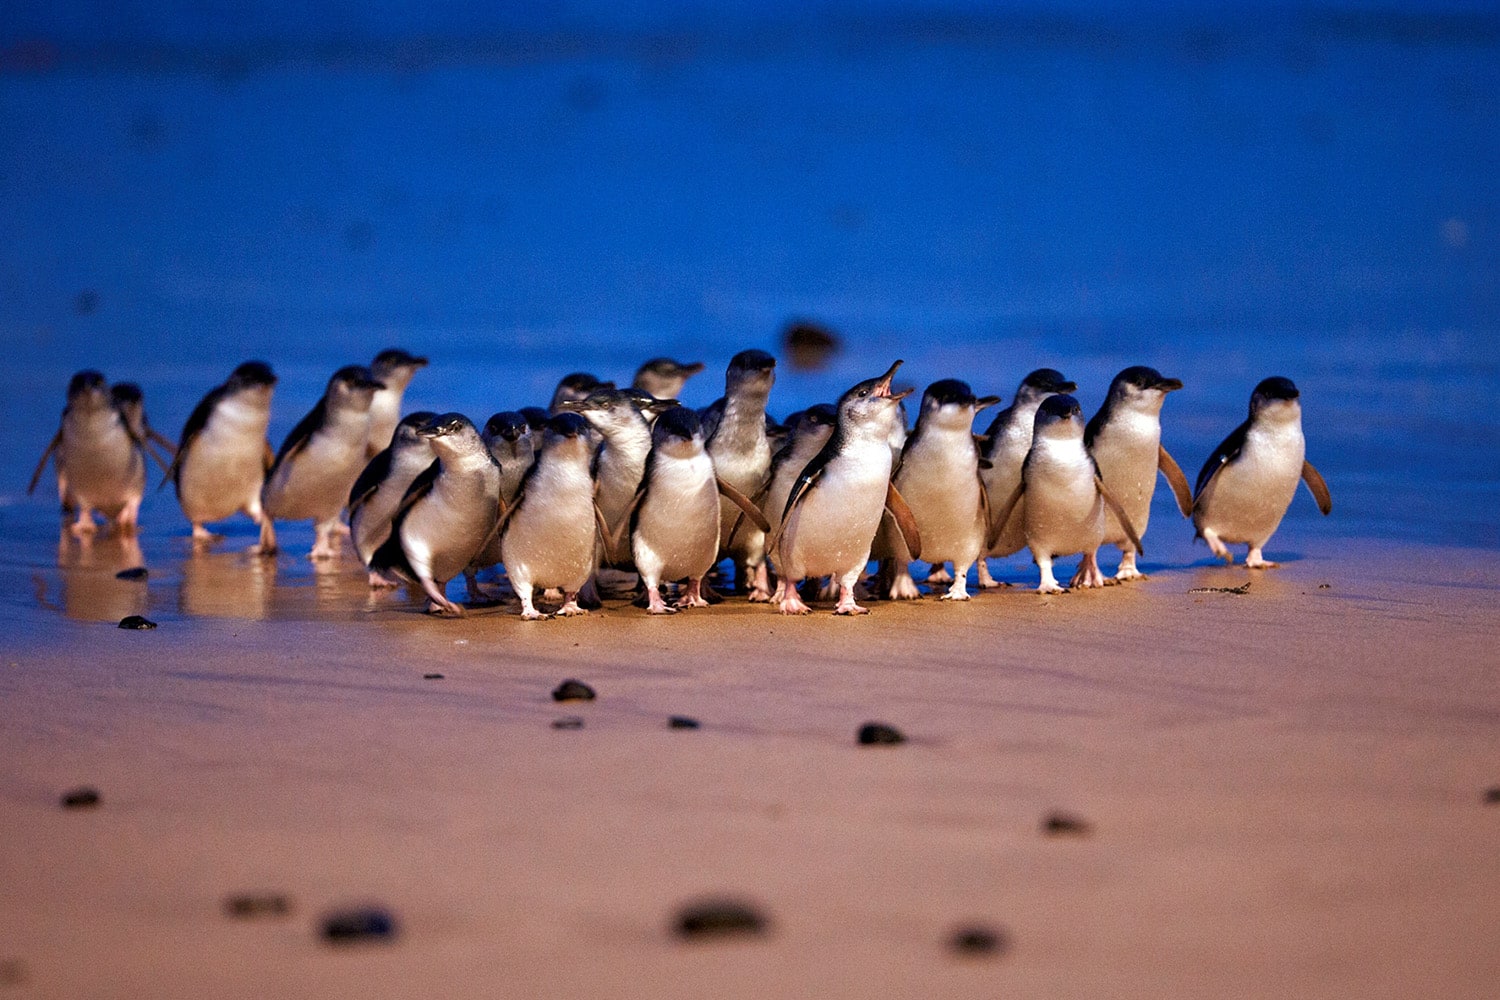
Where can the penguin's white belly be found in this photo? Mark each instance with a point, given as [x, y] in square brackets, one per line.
[677, 525]
[1127, 458]
[385, 414]
[831, 529]
[225, 466]
[443, 531]
[747, 473]
[550, 540]
[315, 483]
[1246, 501]
[1064, 511]
[944, 499]
[104, 468]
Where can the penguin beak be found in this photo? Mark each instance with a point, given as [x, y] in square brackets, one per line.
[1168, 384]
[690, 369]
[571, 405]
[367, 383]
[985, 402]
[1067, 387]
[883, 387]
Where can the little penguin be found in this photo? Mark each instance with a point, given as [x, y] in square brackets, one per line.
[101, 463]
[131, 402]
[735, 429]
[1247, 484]
[537, 419]
[574, 388]
[807, 432]
[551, 535]
[380, 488]
[448, 514]
[394, 369]
[1065, 498]
[222, 456]
[512, 444]
[617, 415]
[836, 503]
[664, 378]
[938, 475]
[1007, 440]
[322, 457]
[673, 521]
[1125, 439]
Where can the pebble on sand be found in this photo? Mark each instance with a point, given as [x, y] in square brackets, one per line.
[682, 722]
[136, 622]
[249, 905]
[133, 573]
[80, 798]
[974, 939]
[1060, 824]
[12, 972]
[432, 677]
[568, 722]
[719, 918]
[879, 734]
[571, 690]
[1492, 795]
[354, 926]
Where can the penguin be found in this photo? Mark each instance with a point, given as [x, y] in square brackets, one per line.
[1247, 484]
[101, 463]
[537, 419]
[322, 457]
[1066, 500]
[394, 368]
[131, 402]
[741, 449]
[222, 455]
[673, 521]
[664, 378]
[938, 475]
[380, 488]
[512, 444]
[1125, 439]
[617, 415]
[807, 432]
[834, 509]
[574, 388]
[550, 536]
[1007, 441]
[448, 514]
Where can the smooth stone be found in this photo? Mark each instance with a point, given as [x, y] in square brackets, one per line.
[81, 798]
[1063, 825]
[720, 918]
[568, 722]
[351, 926]
[432, 677]
[682, 722]
[879, 734]
[571, 690]
[136, 622]
[134, 573]
[12, 972]
[248, 906]
[977, 940]
[1492, 796]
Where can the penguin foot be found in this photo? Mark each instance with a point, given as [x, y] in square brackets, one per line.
[904, 588]
[1128, 576]
[939, 574]
[532, 615]
[792, 604]
[1261, 563]
[82, 529]
[956, 594]
[850, 609]
[661, 609]
[202, 536]
[693, 598]
[987, 582]
[447, 609]
[759, 595]
[1051, 588]
[378, 581]
[570, 607]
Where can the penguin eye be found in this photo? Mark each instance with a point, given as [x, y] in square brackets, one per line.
[864, 392]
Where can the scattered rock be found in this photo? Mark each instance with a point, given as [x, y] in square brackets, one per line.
[974, 939]
[80, 798]
[249, 906]
[682, 722]
[879, 734]
[133, 573]
[568, 722]
[12, 972]
[1060, 824]
[432, 677]
[1492, 796]
[719, 918]
[1325, 586]
[136, 622]
[571, 690]
[354, 926]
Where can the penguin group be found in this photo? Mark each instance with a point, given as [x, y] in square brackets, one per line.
[608, 487]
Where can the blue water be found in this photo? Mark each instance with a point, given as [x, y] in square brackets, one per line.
[979, 191]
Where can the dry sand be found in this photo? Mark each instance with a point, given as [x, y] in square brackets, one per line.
[1285, 788]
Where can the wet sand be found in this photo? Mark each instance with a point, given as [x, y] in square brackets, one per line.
[1285, 789]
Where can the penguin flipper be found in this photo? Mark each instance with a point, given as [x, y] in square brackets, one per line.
[390, 556]
[1119, 513]
[36, 476]
[809, 476]
[606, 538]
[984, 506]
[162, 441]
[1175, 479]
[745, 504]
[997, 526]
[1319, 489]
[906, 522]
[268, 458]
[1228, 450]
[300, 435]
[373, 474]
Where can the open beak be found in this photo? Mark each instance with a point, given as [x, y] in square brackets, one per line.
[883, 387]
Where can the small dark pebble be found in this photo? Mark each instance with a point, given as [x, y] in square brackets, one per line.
[12, 972]
[432, 677]
[977, 940]
[719, 918]
[136, 622]
[133, 573]
[879, 734]
[1492, 796]
[568, 722]
[682, 722]
[81, 798]
[1325, 586]
[571, 690]
[351, 926]
[248, 906]
[1063, 825]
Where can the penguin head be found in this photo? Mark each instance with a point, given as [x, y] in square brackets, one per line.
[396, 367]
[1059, 416]
[568, 435]
[667, 368]
[127, 394]
[1275, 398]
[752, 372]
[821, 415]
[612, 411]
[950, 401]
[452, 435]
[251, 376]
[871, 404]
[1042, 383]
[507, 425]
[536, 418]
[1141, 388]
[353, 388]
[409, 430]
[575, 387]
[649, 406]
[88, 389]
[678, 432]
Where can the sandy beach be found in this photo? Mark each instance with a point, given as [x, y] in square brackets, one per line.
[1283, 791]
